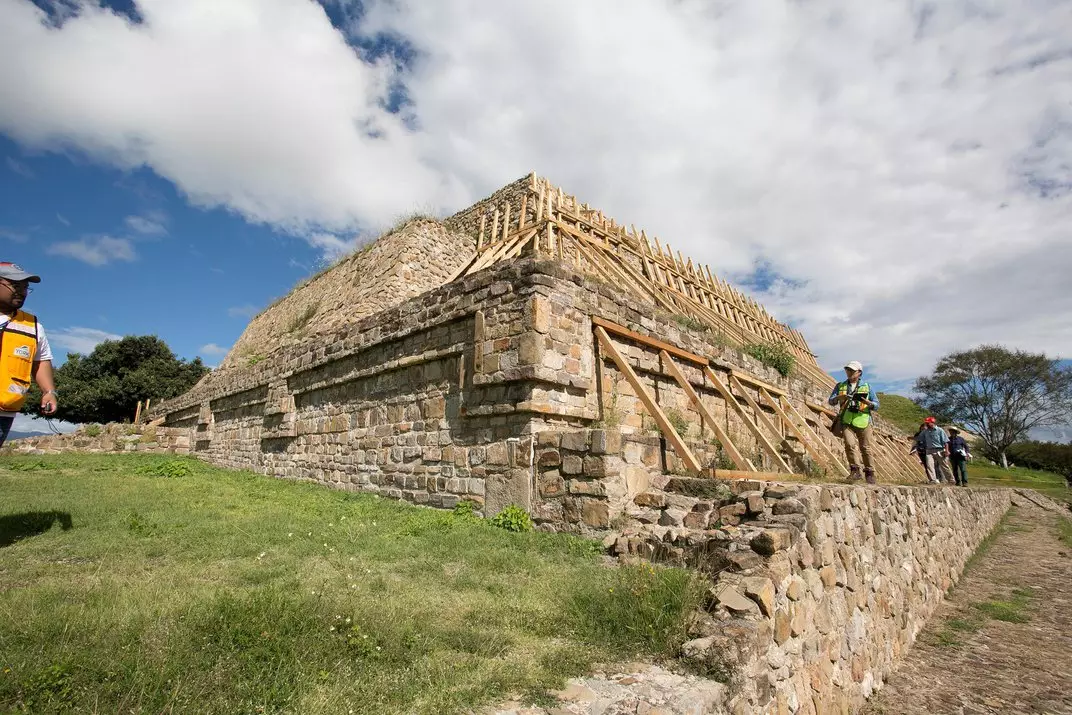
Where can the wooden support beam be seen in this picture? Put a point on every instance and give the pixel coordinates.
(679, 445)
(480, 236)
(831, 456)
(814, 453)
(748, 474)
(732, 402)
(723, 438)
(624, 332)
(761, 418)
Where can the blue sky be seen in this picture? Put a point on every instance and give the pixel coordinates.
(892, 178)
(192, 276)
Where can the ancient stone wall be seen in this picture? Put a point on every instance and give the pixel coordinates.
(417, 257)
(94, 439)
(817, 590)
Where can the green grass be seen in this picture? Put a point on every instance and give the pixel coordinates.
(1064, 530)
(981, 473)
(901, 411)
(1013, 609)
(130, 586)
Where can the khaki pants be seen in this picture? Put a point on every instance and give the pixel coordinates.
(861, 435)
(938, 467)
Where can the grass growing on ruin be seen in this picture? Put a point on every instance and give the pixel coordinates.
(1052, 485)
(129, 584)
(1064, 530)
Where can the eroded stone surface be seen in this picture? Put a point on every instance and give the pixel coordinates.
(634, 689)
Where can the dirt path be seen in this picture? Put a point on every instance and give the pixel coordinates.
(1002, 640)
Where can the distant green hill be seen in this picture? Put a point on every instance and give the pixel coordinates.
(901, 411)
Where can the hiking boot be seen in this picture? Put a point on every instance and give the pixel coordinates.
(854, 472)
(869, 475)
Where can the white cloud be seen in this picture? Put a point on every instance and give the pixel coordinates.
(150, 224)
(16, 236)
(243, 311)
(255, 105)
(62, 219)
(96, 251)
(20, 168)
(905, 165)
(213, 349)
(79, 340)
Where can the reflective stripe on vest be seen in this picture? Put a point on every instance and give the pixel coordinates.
(18, 348)
(857, 418)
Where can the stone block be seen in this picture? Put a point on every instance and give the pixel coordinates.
(552, 484)
(595, 513)
(760, 590)
(732, 600)
(549, 458)
(770, 541)
(587, 488)
(496, 453)
(501, 489)
(530, 349)
(672, 517)
(572, 464)
(575, 441)
(787, 506)
(652, 499)
(606, 442)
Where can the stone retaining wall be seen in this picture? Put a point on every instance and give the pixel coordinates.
(817, 590)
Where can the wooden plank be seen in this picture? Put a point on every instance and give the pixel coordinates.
(732, 402)
(745, 474)
(830, 454)
(762, 418)
(756, 382)
(723, 438)
(480, 237)
(506, 221)
(679, 445)
(636, 337)
(814, 453)
(495, 227)
(524, 212)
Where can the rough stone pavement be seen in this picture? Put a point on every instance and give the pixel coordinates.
(1006, 668)
(637, 689)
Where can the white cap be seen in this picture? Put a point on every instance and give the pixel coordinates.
(854, 365)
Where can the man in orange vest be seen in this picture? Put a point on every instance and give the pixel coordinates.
(24, 351)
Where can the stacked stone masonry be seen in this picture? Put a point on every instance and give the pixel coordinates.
(817, 590)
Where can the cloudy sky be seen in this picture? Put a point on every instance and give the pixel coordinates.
(892, 177)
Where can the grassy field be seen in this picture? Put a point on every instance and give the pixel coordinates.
(1052, 485)
(901, 411)
(141, 584)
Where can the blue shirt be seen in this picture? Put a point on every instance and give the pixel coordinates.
(871, 396)
(934, 438)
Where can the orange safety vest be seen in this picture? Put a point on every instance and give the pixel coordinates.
(18, 347)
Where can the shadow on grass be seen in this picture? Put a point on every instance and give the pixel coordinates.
(16, 527)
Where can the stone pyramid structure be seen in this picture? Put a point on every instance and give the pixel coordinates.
(527, 350)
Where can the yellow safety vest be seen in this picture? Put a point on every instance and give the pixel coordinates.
(861, 417)
(18, 347)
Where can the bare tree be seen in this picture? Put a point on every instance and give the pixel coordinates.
(999, 394)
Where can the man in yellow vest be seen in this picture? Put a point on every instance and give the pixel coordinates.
(857, 401)
(24, 350)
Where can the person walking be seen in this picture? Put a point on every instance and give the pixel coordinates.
(959, 454)
(936, 452)
(25, 355)
(857, 401)
(919, 448)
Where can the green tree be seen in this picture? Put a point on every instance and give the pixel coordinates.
(107, 384)
(999, 394)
